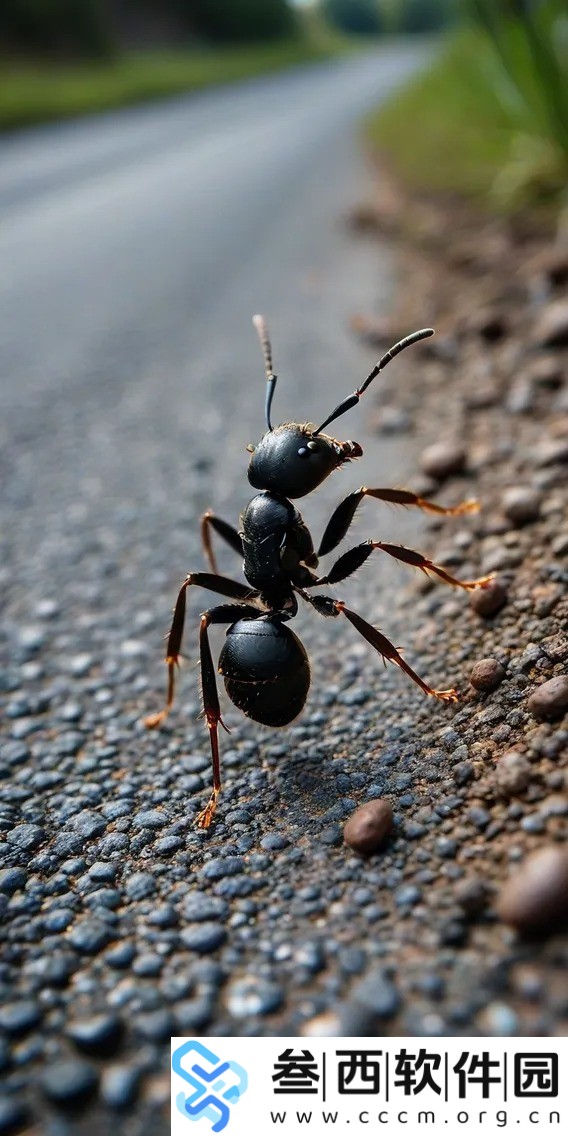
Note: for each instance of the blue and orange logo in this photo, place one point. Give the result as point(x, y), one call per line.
point(215, 1090)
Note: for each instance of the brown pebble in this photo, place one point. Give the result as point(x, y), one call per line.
point(535, 897)
point(547, 372)
point(552, 328)
point(368, 826)
point(471, 895)
point(550, 700)
point(489, 599)
point(552, 451)
point(443, 459)
point(513, 773)
point(521, 505)
point(487, 674)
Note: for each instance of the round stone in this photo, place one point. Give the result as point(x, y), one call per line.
point(443, 459)
point(89, 936)
point(69, 1083)
point(119, 1086)
point(18, 1018)
point(11, 880)
point(489, 599)
point(513, 773)
point(550, 700)
point(99, 1034)
point(203, 937)
point(487, 674)
point(253, 995)
point(369, 826)
point(535, 897)
point(521, 505)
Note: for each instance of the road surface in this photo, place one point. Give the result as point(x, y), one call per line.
point(134, 249)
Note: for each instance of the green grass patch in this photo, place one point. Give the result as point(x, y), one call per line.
point(32, 94)
point(460, 127)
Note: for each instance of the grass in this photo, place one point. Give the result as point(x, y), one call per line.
point(39, 93)
point(460, 127)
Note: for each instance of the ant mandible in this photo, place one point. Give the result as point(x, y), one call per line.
point(263, 663)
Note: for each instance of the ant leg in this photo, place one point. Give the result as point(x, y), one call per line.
point(326, 606)
point(224, 587)
point(225, 613)
point(224, 530)
point(341, 519)
point(355, 557)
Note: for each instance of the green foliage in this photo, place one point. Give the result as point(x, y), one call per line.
point(530, 61)
point(457, 128)
point(55, 27)
point(424, 15)
point(355, 17)
point(244, 20)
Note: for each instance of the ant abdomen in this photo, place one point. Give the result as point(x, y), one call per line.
point(266, 670)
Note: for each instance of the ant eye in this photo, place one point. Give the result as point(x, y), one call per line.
point(303, 452)
point(314, 447)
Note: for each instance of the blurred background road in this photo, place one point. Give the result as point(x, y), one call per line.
point(136, 247)
point(150, 235)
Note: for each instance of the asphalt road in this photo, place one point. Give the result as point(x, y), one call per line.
point(134, 249)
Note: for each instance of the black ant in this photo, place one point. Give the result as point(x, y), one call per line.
point(263, 663)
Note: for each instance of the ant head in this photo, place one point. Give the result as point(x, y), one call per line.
point(292, 460)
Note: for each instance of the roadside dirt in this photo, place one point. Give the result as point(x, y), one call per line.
point(487, 403)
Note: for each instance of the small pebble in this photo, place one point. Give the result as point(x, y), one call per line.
point(535, 897)
point(97, 1035)
point(551, 451)
point(89, 936)
point(26, 837)
point(69, 1083)
point(471, 895)
point(552, 327)
point(521, 505)
point(253, 995)
point(18, 1018)
point(550, 700)
point(487, 674)
point(489, 599)
point(12, 880)
point(377, 994)
point(513, 773)
point(443, 459)
point(119, 1085)
point(12, 1115)
point(203, 937)
point(498, 1020)
point(369, 826)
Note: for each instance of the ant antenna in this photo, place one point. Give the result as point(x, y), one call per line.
point(353, 399)
point(262, 332)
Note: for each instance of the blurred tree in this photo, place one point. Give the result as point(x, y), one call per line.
point(359, 17)
point(55, 27)
point(425, 15)
point(247, 20)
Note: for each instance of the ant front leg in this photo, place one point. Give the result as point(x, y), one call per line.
point(326, 606)
point(214, 583)
point(355, 557)
point(342, 518)
point(225, 613)
point(224, 530)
